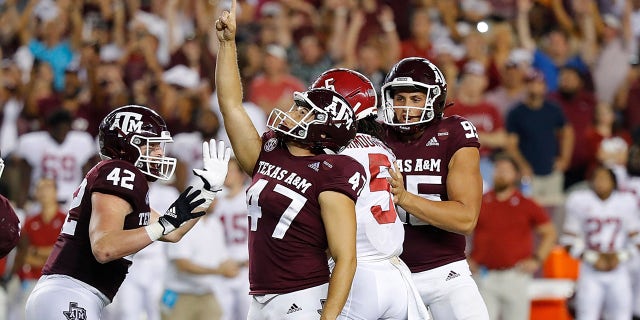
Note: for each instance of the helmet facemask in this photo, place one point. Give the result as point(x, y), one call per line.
point(158, 167)
point(298, 129)
point(427, 112)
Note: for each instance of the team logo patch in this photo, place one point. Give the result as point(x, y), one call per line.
point(452, 275)
point(127, 122)
point(270, 145)
point(294, 308)
point(432, 142)
point(326, 165)
point(443, 134)
point(75, 312)
point(315, 166)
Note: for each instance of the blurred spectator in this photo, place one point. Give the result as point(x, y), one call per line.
point(58, 153)
point(181, 97)
point(601, 229)
point(308, 58)
point(627, 100)
point(230, 207)
point(578, 105)
point(139, 55)
point(367, 58)
point(513, 87)
point(194, 54)
point(607, 143)
point(419, 43)
point(617, 44)
point(194, 264)
point(477, 49)
point(37, 237)
point(503, 256)
point(471, 105)
point(275, 86)
point(188, 145)
point(42, 98)
point(11, 104)
point(558, 51)
point(258, 117)
point(540, 141)
point(58, 34)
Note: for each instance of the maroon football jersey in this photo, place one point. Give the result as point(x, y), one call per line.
point(9, 227)
point(72, 253)
point(424, 164)
point(287, 239)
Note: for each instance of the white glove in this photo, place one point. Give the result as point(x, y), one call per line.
point(216, 164)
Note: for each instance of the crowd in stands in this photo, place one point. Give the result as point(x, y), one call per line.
point(555, 83)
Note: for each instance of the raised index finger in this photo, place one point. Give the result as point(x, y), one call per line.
point(233, 7)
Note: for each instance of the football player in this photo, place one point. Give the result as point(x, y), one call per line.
point(601, 229)
point(58, 152)
point(9, 224)
point(380, 275)
point(109, 218)
point(436, 185)
point(302, 197)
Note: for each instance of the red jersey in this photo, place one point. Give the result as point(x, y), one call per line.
point(40, 234)
point(287, 239)
point(72, 254)
point(424, 164)
point(504, 233)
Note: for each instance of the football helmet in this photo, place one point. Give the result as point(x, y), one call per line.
point(354, 87)
point(132, 133)
point(414, 74)
point(320, 119)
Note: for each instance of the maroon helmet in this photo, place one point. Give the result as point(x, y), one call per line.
point(354, 87)
point(124, 132)
point(414, 74)
point(327, 122)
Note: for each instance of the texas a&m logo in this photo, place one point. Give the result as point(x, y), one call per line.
point(127, 122)
point(339, 111)
point(75, 312)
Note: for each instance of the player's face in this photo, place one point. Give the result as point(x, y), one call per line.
point(602, 183)
point(415, 101)
point(297, 114)
point(154, 149)
point(504, 176)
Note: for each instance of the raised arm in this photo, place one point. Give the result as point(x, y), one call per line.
point(244, 137)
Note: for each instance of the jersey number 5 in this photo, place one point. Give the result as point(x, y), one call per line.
point(379, 183)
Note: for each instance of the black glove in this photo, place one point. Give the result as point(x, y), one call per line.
point(180, 210)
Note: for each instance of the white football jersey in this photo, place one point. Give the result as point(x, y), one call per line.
point(233, 214)
point(603, 225)
point(63, 161)
point(379, 230)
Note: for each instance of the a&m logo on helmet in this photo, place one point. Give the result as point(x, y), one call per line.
point(127, 122)
point(339, 112)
